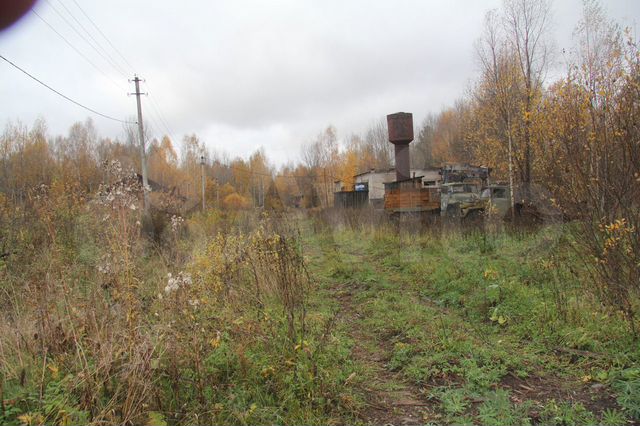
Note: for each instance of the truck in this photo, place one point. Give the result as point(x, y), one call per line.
point(469, 200)
point(411, 197)
point(464, 193)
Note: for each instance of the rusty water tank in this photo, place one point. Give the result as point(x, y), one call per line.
point(400, 127)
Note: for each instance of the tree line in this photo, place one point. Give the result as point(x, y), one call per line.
point(527, 129)
point(576, 137)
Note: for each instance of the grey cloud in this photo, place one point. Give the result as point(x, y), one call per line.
point(242, 74)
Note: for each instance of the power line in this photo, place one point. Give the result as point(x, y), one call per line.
point(77, 51)
point(155, 123)
point(103, 35)
point(152, 116)
point(65, 96)
point(158, 111)
point(160, 122)
point(154, 104)
point(250, 172)
point(118, 66)
point(97, 45)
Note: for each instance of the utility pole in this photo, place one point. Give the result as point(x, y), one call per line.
point(143, 152)
point(203, 181)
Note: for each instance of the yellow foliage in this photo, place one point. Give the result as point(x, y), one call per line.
point(31, 419)
point(236, 201)
point(348, 169)
point(54, 370)
point(490, 274)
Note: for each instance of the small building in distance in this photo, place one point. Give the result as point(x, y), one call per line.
point(372, 182)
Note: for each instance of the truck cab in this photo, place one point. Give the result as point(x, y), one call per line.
point(466, 200)
point(496, 199)
point(457, 199)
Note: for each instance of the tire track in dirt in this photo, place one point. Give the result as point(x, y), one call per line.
point(390, 400)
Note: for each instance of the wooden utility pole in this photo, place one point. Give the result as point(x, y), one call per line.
point(143, 152)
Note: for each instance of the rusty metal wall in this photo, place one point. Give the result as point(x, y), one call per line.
point(403, 161)
point(400, 127)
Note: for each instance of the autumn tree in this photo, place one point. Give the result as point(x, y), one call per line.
point(422, 147)
point(218, 174)
point(235, 201)
point(192, 150)
point(273, 200)
point(376, 138)
point(163, 163)
point(348, 167)
point(448, 135)
point(322, 159)
point(497, 105)
point(305, 178)
point(241, 175)
point(76, 155)
point(593, 143)
point(27, 159)
point(114, 150)
point(364, 152)
point(286, 184)
point(260, 176)
point(504, 127)
point(526, 24)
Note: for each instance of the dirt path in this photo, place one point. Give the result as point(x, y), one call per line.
point(390, 400)
point(425, 353)
point(370, 291)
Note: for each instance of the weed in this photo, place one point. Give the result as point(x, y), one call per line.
point(454, 401)
point(497, 410)
point(613, 417)
point(628, 395)
point(248, 327)
point(401, 356)
point(566, 414)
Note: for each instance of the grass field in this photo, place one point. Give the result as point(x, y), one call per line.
point(271, 321)
point(476, 328)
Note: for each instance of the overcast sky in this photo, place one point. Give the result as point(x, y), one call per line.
point(246, 74)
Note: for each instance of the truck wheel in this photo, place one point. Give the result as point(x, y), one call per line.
point(453, 210)
point(474, 218)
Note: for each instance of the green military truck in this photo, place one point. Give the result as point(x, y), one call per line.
point(468, 200)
